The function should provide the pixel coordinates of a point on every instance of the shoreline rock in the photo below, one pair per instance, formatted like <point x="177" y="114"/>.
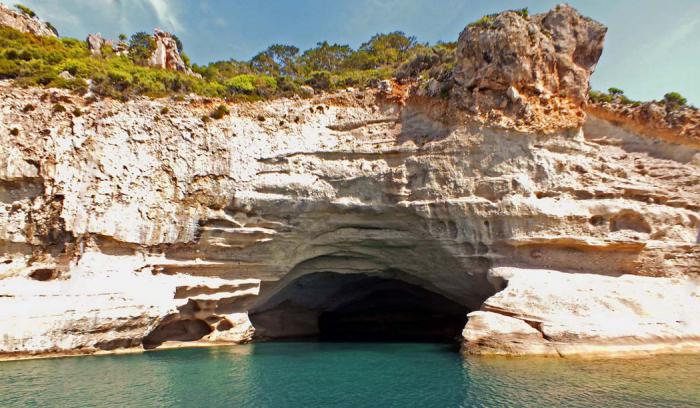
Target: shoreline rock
<point x="550" y="313"/>
<point x="135" y="226"/>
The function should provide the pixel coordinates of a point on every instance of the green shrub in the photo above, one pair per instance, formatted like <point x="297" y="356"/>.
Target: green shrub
<point x="77" y="112"/>
<point x="141" y="45"/>
<point x="241" y="83"/>
<point x="523" y="12"/>
<point x="675" y="100"/>
<point x="265" y="86"/>
<point x="483" y="22"/>
<point x="51" y="27"/>
<point x="598" y="97"/>
<point x="287" y="86"/>
<point x="359" y="78"/>
<point x="58" y="108"/>
<point x="615" y="91"/>
<point x="220" y="112"/>
<point x="165" y="110"/>
<point x="320" y="80"/>
<point x="26" y="10"/>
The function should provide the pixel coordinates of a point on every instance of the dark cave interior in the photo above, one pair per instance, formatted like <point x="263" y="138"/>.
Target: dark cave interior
<point x="332" y="306"/>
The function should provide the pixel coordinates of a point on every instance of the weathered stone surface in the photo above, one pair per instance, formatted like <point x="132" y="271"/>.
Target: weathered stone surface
<point x="547" y="58"/>
<point x="490" y="333"/>
<point x="95" y="43"/>
<point x="547" y="312"/>
<point x="24" y="23"/>
<point x="667" y="122"/>
<point x="166" y="55"/>
<point x="144" y="219"/>
<point x="130" y="228"/>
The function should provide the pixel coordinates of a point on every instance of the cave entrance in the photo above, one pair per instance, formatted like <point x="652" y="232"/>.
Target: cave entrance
<point x="333" y="306"/>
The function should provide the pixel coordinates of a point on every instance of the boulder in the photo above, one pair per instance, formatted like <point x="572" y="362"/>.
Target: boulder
<point x="166" y="55"/>
<point x="546" y="312"/>
<point x="20" y="21"/>
<point x="553" y="53"/>
<point x="95" y="43"/>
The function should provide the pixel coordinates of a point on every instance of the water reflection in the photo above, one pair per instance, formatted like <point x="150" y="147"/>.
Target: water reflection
<point x="669" y="381"/>
<point x="346" y="375"/>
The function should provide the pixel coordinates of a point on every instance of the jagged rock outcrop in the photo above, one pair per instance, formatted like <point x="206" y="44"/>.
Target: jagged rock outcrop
<point x="134" y="227"/>
<point x="95" y="42"/>
<point x="529" y="70"/>
<point x="166" y="55"/>
<point x="25" y="23"/>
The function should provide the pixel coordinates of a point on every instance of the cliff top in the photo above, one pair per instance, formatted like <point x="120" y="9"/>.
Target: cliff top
<point x="509" y="70"/>
<point x="669" y="119"/>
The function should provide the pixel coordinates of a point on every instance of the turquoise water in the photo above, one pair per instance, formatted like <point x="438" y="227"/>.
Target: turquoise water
<point x="309" y="375"/>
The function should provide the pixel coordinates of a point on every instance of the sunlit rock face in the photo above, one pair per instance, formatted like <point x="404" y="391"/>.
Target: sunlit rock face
<point x="531" y="72"/>
<point x="126" y="228"/>
<point x="20" y="21"/>
<point x="166" y="55"/>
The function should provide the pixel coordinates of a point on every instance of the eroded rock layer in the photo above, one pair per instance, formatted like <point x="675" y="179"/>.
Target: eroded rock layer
<point x="128" y="226"/>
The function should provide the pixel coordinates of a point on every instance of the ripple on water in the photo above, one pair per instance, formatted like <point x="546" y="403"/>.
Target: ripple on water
<point x="300" y="374"/>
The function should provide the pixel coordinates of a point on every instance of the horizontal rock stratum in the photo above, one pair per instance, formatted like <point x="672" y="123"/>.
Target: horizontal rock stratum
<point x="129" y="227"/>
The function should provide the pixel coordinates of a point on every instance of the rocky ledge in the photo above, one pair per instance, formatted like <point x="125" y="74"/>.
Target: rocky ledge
<point x="136" y="225"/>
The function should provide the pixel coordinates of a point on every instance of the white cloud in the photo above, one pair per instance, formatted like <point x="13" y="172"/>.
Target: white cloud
<point x="165" y="12"/>
<point x="129" y="15"/>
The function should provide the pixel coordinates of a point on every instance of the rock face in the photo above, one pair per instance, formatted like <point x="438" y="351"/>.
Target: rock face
<point x="552" y="313"/>
<point x="24" y="23"/>
<point x="130" y="228"/>
<point x="95" y="43"/>
<point x="525" y="68"/>
<point x="166" y="54"/>
<point x="678" y="125"/>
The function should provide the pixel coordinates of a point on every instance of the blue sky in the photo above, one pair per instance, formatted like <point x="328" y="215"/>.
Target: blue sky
<point x="652" y="46"/>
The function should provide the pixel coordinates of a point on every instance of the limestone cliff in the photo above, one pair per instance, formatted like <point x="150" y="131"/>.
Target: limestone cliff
<point x="127" y="226"/>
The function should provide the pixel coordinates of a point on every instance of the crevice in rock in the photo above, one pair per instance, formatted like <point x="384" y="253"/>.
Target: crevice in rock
<point x="44" y="274"/>
<point x="629" y="220"/>
<point x="348" y="126"/>
<point x="178" y="330"/>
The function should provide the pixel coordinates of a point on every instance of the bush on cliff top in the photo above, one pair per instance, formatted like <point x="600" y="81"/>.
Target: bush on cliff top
<point x="26" y="10"/>
<point x="675" y="100"/>
<point x="280" y="70"/>
<point x="672" y="100"/>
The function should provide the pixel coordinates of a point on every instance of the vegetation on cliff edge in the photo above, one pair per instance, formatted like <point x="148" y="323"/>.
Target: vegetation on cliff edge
<point x="280" y="70"/>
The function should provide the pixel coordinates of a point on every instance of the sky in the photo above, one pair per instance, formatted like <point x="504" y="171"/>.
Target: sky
<point x="652" y="46"/>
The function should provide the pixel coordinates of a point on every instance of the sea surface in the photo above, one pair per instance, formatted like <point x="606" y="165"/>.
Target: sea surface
<point x="310" y="375"/>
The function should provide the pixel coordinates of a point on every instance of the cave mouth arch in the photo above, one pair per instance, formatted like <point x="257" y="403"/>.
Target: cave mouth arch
<point x="331" y="306"/>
